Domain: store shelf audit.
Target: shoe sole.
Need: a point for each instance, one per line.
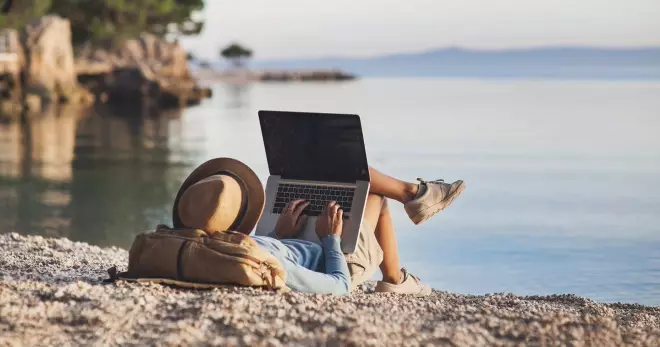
(380, 290)
(421, 217)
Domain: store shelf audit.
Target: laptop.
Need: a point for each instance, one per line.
(317, 157)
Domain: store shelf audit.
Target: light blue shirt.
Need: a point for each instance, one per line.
(311, 267)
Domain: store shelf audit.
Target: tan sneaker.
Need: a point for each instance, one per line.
(437, 197)
(410, 285)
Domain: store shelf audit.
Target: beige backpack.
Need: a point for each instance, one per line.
(192, 258)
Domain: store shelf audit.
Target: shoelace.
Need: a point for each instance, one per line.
(406, 273)
(423, 181)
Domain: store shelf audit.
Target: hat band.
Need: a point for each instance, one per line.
(244, 203)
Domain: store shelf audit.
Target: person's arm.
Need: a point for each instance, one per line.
(336, 279)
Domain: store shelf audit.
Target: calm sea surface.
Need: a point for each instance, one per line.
(563, 176)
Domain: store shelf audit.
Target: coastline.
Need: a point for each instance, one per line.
(51, 292)
(248, 76)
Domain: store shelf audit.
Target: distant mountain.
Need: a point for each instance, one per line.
(559, 62)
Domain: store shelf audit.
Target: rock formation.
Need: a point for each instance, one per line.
(11, 62)
(38, 67)
(48, 69)
(146, 69)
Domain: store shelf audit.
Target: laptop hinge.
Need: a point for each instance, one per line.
(318, 182)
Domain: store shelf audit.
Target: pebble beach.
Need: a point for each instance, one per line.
(52, 293)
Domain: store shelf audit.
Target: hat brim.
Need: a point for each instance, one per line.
(254, 190)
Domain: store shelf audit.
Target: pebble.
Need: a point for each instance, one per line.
(64, 302)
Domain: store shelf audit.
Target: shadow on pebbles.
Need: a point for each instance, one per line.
(51, 293)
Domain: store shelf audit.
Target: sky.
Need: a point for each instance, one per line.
(280, 29)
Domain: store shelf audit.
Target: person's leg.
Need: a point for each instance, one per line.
(391, 266)
(434, 196)
(379, 250)
(390, 187)
(377, 215)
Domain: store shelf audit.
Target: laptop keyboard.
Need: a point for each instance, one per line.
(318, 197)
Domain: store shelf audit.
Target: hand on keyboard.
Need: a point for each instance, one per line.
(331, 221)
(291, 220)
(317, 196)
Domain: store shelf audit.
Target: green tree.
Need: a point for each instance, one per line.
(24, 11)
(105, 22)
(236, 54)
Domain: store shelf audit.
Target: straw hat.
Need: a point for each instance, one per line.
(221, 194)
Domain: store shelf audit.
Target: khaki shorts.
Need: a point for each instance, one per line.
(364, 262)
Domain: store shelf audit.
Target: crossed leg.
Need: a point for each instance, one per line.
(391, 187)
(377, 215)
(434, 196)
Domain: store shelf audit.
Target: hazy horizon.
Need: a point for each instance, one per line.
(466, 49)
(543, 62)
(295, 29)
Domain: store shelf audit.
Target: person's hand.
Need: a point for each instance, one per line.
(291, 220)
(330, 222)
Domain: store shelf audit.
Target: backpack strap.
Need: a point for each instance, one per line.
(269, 270)
(179, 256)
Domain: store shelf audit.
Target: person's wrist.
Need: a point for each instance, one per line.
(331, 237)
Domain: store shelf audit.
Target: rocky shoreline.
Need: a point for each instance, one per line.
(52, 293)
(40, 67)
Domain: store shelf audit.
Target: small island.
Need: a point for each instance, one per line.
(238, 56)
(316, 75)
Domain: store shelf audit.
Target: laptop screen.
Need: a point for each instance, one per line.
(314, 146)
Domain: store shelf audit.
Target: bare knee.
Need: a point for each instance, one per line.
(374, 208)
(378, 200)
(383, 205)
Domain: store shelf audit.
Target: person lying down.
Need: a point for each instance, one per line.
(225, 194)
